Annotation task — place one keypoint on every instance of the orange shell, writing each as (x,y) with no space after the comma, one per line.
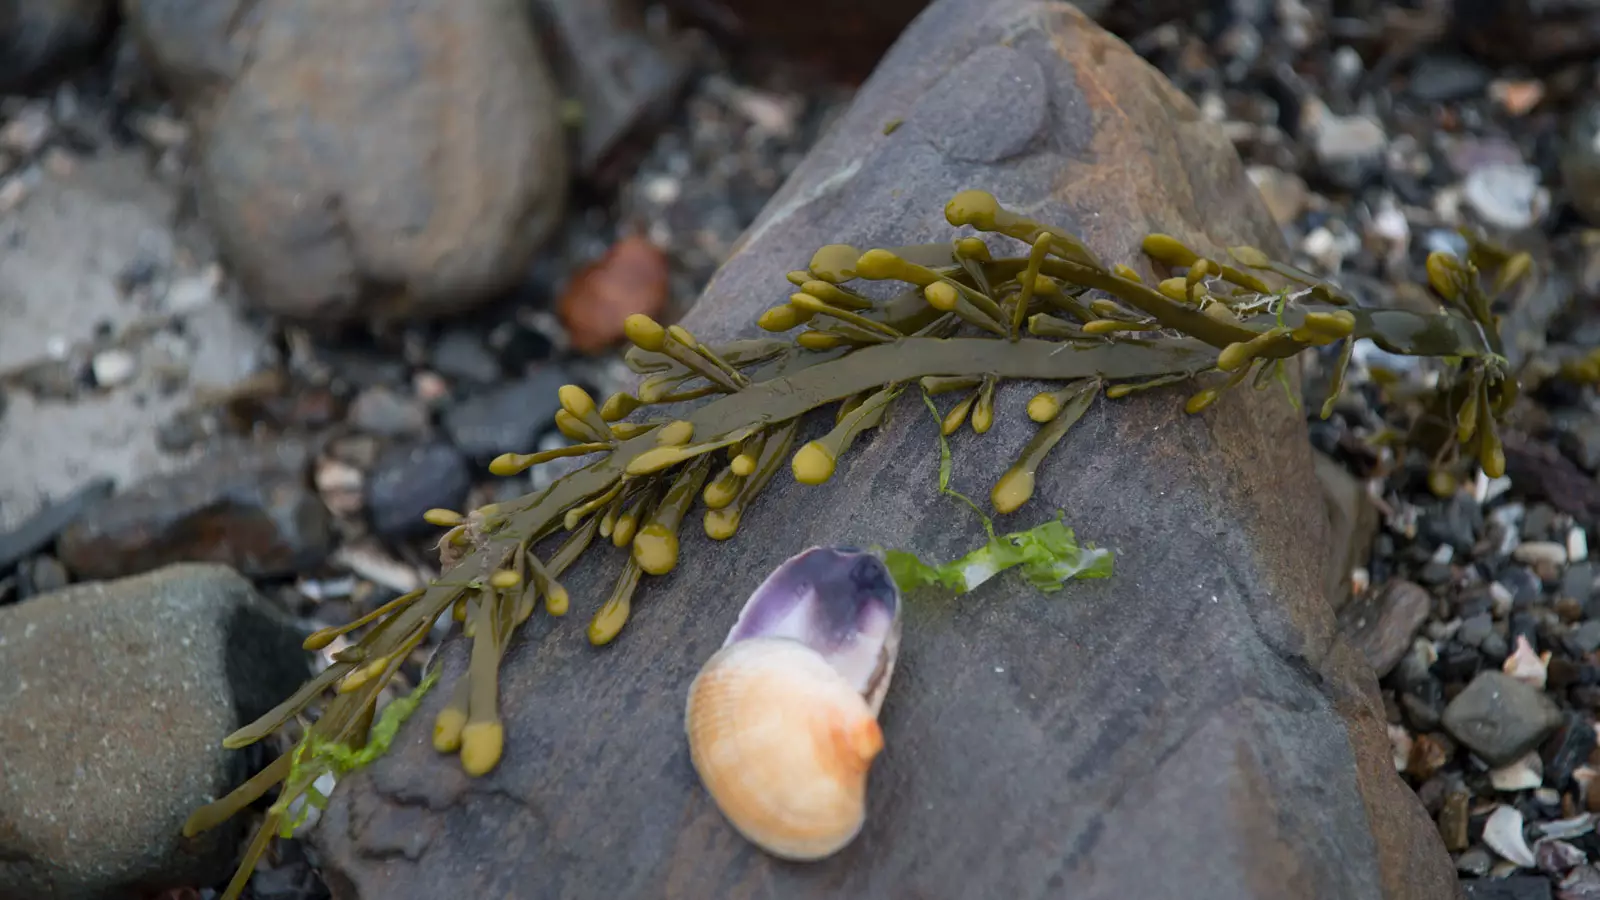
(783,744)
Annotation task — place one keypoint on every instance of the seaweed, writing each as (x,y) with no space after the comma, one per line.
(713,424)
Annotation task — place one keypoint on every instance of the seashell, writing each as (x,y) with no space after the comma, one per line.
(782,719)
(783,743)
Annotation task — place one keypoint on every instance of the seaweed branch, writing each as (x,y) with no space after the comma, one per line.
(711,425)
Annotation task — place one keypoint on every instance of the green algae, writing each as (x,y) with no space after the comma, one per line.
(965,321)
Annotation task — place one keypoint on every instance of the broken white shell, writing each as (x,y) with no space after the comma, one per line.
(782,720)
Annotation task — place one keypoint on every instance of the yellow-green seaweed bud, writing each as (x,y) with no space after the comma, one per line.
(444,518)
(819,340)
(1444,270)
(1168,249)
(447,728)
(976,208)
(675,434)
(1044,406)
(973,248)
(813,464)
(1200,401)
(504,579)
(682,336)
(576,401)
(655,548)
(1250,257)
(618,406)
(1122,270)
(941,295)
(645,333)
(1013,489)
(835,263)
(481,746)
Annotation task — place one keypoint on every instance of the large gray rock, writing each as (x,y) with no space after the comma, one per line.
(114,700)
(368,157)
(1194,726)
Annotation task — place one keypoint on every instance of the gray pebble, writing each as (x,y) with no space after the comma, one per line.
(462,355)
(1587,636)
(1474,629)
(508,418)
(1474,862)
(1500,718)
(410,479)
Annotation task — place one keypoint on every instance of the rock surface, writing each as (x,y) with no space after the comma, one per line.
(252,508)
(369,157)
(113,707)
(1193,726)
(37,36)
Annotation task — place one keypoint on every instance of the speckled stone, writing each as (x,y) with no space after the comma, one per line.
(114,702)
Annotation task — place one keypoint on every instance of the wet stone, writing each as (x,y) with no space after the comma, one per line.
(1458,523)
(40,575)
(408,480)
(1423,708)
(1566,749)
(1500,718)
(1494,648)
(1437,79)
(508,418)
(1586,638)
(1474,862)
(385,411)
(1453,817)
(462,355)
(1382,623)
(1524,585)
(1579,438)
(1474,629)
(1577,581)
(252,508)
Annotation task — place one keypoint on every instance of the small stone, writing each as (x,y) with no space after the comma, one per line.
(1525,774)
(1474,862)
(251,507)
(1382,623)
(27,131)
(508,418)
(1506,196)
(462,355)
(1567,749)
(381,410)
(1586,639)
(114,704)
(1453,820)
(1523,585)
(1500,718)
(1494,648)
(1442,79)
(410,479)
(1503,833)
(1350,148)
(113,368)
(41,529)
(1285,193)
(1474,629)
(1429,753)
(339,485)
(1535,553)
(630,278)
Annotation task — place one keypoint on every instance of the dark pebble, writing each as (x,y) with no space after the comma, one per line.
(384,411)
(1500,718)
(1436,573)
(1457,522)
(1453,820)
(1474,600)
(1382,623)
(462,355)
(1524,624)
(1494,648)
(408,480)
(1579,439)
(1474,862)
(1438,79)
(1524,585)
(1423,711)
(1586,638)
(1577,581)
(251,508)
(1458,663)
(1540,520)
(1586,696)
(508,418)
(1515,887)
(1474,629)
(1566,749)
(42,528)
(40,575)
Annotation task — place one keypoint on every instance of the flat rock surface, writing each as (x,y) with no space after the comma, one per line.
(1192,727)
(114,703)
(62,252)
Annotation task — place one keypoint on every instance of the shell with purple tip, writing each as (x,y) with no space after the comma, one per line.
(782,720)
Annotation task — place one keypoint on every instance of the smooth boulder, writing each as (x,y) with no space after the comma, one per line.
(367,157)
(1193,726)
